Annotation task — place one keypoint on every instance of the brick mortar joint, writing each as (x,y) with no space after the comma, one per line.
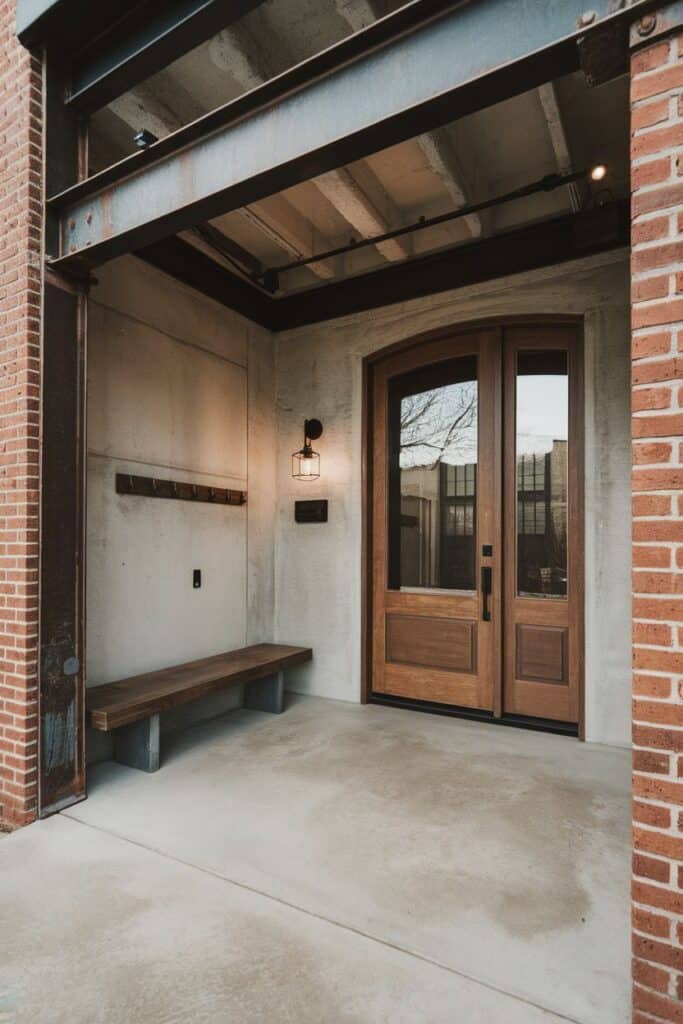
(20,184)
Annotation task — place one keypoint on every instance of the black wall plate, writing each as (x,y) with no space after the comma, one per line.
(310,511)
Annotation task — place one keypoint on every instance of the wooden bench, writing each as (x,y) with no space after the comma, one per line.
(131,707)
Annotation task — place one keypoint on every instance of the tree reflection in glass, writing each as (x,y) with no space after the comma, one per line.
(436,452)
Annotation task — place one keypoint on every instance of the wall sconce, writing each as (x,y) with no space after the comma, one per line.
(306,462)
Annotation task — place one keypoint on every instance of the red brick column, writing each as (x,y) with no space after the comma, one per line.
(657,352)
(20,291)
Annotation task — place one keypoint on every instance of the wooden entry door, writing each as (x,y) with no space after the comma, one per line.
(436,472)
(475,574)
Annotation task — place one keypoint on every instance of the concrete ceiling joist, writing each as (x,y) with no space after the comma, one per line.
(558,139)
(164,111)
(284,225)
(233,53)
(342,190)
(435,146)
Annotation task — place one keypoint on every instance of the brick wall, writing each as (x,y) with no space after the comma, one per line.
(20,245)
(657,351)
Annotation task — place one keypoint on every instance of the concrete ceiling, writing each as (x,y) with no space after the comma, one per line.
(562,126)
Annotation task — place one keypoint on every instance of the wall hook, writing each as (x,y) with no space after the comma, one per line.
(150,487)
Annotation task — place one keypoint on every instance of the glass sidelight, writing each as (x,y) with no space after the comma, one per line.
(542,440)
(432,470)
(543,537)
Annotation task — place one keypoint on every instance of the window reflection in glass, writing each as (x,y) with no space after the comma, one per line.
(433,477)
(541,448)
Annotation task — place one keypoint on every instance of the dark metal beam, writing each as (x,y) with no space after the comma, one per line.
(62,492)
(528,248)
(230,250)
(147,39)
(667,18)
(538,245)
(377,88)
(33,14)
(62,545)
(185,263)
(67,24)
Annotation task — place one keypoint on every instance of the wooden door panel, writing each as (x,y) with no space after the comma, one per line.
(541,653)
(434,643)
(429,642)
(540,700)
(457,689)
(459,606)
(449,644)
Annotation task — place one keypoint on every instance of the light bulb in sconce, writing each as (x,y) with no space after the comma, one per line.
(598,172)
(306,462)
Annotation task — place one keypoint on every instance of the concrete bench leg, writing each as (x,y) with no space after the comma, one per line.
(266,694)
(137,745)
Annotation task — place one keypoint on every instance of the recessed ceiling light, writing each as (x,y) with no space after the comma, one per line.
(598,172)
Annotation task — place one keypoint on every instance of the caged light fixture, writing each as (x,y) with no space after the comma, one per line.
(306,462)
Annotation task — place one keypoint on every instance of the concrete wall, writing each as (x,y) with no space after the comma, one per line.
(318,568)
(180,388)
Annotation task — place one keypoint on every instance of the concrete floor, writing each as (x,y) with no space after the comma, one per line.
(336,863)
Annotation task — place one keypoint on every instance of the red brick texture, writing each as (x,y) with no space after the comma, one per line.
(657,406)
(20,290)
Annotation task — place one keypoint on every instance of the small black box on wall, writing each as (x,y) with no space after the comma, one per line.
(310,511)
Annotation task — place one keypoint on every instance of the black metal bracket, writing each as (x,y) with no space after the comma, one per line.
(152,487)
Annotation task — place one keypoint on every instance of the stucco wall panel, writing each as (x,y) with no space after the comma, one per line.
(173,381)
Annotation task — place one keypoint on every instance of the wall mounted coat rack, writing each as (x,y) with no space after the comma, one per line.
(153,487)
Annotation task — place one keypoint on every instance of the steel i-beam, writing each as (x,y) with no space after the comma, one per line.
(328,111)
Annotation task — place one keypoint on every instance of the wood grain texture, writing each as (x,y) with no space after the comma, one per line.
(541,653)
(498,686)
(129,700)
(434,642)
(476,687)
(544,698)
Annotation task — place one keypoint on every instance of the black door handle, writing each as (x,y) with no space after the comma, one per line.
(486,582)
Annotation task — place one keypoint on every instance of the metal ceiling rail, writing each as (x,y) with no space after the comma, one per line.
(546,184)
(530,247)
(380,87)
(543,244)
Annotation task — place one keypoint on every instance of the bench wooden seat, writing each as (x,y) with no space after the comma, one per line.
(132,706)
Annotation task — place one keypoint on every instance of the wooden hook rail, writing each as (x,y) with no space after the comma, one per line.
(153,487)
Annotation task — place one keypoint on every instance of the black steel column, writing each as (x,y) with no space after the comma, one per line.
(62,500)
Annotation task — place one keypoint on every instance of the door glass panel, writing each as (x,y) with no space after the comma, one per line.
(542,433)
(433,477)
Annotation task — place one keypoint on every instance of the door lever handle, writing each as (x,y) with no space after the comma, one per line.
(486,583)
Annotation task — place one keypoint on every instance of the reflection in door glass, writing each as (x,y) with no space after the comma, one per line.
(542,439)
(433,477)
